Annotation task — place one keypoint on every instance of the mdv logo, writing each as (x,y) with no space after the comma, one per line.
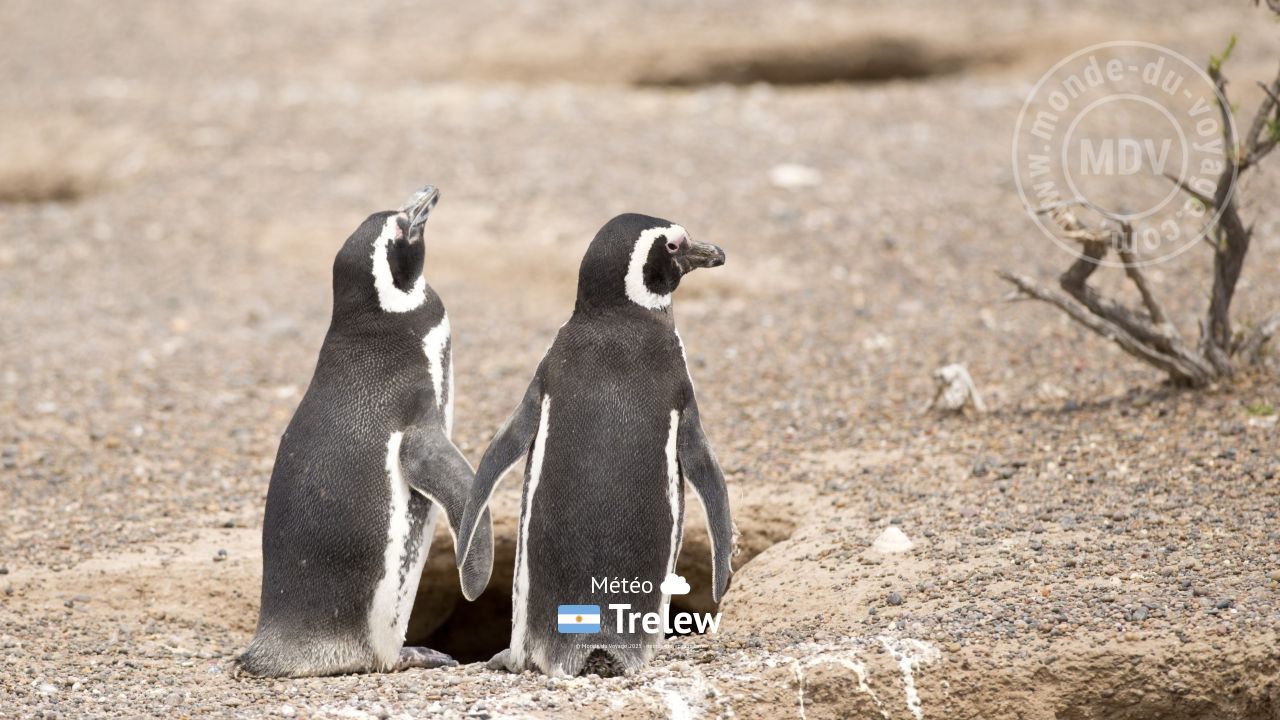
(1123,156)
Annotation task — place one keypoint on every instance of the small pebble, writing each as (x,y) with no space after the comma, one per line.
(895,598)
(222,555)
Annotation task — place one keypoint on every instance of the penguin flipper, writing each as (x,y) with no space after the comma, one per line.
(509,444)
(699,467)
(434,467)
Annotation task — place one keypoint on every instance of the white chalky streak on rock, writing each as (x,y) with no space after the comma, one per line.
(847,660)
(795,667)
(677,707)
(686,698)
(910,654)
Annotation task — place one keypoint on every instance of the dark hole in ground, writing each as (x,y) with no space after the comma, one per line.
(476,631)
(40,187)
(852,60)
(443,620)
(52,159)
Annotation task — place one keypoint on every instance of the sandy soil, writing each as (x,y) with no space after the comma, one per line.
(175,179)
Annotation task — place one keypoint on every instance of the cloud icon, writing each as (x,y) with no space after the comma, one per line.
(674,584)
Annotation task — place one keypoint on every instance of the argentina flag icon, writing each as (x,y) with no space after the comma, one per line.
(578,619)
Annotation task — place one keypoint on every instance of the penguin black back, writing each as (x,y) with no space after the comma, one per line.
(364,469)
(611,429)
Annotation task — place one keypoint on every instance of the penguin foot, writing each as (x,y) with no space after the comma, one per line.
(501,661)
(601,662)
(420,657)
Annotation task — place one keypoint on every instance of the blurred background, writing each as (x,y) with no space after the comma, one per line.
(176,177)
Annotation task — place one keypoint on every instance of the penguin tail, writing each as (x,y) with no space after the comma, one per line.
(601,662)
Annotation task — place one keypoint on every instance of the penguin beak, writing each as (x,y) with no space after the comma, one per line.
(418,207)
(701,255)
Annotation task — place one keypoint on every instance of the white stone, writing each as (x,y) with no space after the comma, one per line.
(793,177)
(891,541)
(954,390)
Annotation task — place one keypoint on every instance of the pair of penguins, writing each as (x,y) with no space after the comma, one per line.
(609,426)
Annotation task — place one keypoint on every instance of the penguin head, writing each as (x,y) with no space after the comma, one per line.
(380,265)
(640,259)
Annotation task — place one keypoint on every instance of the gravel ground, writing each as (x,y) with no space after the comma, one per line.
(1096,545)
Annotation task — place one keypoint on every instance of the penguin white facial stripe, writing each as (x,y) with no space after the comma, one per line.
(433,345)
(520,599)
(673,493)
(637,291)
(390,297)
(386,623)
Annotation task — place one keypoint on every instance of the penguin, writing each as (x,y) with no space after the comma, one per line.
(364,470)
(611,431)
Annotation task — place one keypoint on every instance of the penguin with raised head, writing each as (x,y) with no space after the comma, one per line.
(364,469)
(611,430)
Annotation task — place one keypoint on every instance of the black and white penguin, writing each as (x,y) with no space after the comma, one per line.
(611,430)
(364,469)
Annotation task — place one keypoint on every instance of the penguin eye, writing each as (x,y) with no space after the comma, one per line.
(672,246)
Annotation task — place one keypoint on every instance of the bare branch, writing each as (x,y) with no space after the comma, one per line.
(1154,310)
(1270,93)
(1208,201)
(1055,209)
(1232,236)
(1134,271)
(1251,347)
(1177,368)
(1265,119)
(1074,282)
(1224,107)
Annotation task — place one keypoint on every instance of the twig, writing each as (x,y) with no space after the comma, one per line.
(1177,368)
(1208,201)
(1257,146)
(1134,271)
(1054,208)
(1224,106)
(1271,94)
(1251,347)
(1075,283)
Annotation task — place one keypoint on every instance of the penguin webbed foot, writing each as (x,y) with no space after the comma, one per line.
(501,662)
(421,657)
